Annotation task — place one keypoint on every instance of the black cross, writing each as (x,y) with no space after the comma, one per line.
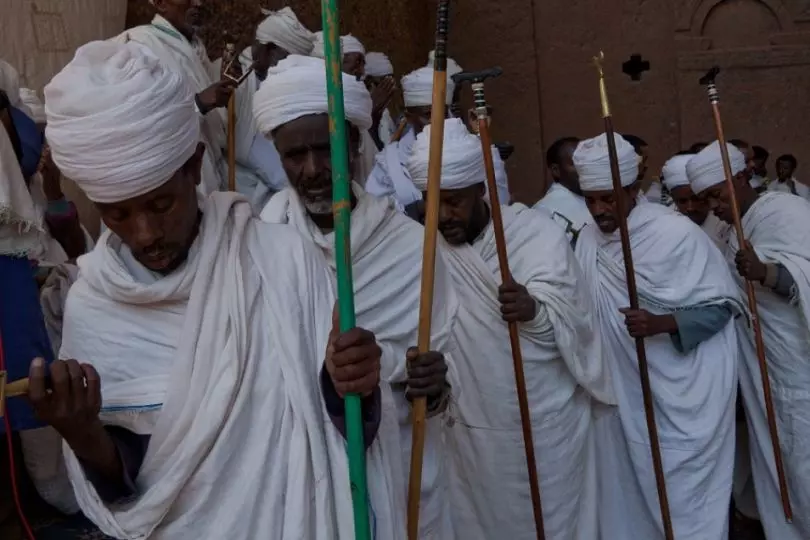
(635,67)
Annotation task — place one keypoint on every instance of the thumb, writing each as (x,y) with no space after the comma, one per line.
(336,318)
(624,310)
(748,246)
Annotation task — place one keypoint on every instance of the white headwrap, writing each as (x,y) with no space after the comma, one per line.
(31,100)
(10,82)
(462,162)
(348,44)
(417,88)
(706,168)
(501,179)
(452,67)
(674,171)
(120,123)
(296,87)
(593,165)
(378,65)
(285,30)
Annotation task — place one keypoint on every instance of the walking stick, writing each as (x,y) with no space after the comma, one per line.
(714,98)
(482,114)
(230,52)
(437,115)
(632,293)
(341,188)
(11,389)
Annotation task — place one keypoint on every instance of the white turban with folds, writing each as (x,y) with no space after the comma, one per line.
(462,162)
(706,168)
(417,88)
(285,30)
(120,123)
(378,65)
(593,164)
(674,171)
(452,66)
(296,87)
(348,44)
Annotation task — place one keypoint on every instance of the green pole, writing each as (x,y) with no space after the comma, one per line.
(341,188)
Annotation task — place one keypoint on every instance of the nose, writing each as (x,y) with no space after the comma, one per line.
(445,212)
(691,205)
(311,166)
(145,232)
(713,203)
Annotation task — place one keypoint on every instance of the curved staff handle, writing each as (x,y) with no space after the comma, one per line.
(708,81)
(632,293)
(437,115)
(506,276)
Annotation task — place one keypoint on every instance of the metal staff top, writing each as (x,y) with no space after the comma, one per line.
(597,60)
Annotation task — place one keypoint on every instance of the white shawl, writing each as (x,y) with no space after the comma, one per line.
(677,267)
(563,367)
(778,226)
(220,363)
(567,209)
(386,249)
(390,177)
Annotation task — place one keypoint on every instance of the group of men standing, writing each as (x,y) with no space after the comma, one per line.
(201,371)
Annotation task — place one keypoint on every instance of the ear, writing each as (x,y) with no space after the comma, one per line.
(195,163)
(555,170)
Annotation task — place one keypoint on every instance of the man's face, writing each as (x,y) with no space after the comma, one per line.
(604,208)
(307,159)
(760,168)
(265,56)
(785,170)
(642,166)
(719,197)
(690,205)
(750,164)
(456,210)
(354,64)
(160,226)
(565,173)
(185,15)
(419,117)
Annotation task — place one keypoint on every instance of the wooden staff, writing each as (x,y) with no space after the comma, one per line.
(230,53)
(10,390)
(437,116)
(632,293)
(400,130)
(482,115)
(708,81)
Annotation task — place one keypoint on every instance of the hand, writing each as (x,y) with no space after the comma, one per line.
(517,305)
(643,324)
(51,176)
(382,94)
(352,360)
(748,264)
(72,404)
(427,374)
(215,96)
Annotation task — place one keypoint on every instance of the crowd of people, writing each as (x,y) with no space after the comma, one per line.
(187,368)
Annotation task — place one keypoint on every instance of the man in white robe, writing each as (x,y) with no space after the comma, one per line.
(687,300)
(386,256)
(379,72)
(563,366)
(203,406)
(778,262)
(676,179)
(260,173)
(171,37)
(564,199)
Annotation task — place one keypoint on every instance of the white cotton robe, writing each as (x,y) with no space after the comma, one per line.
(191,58)
(778,227)
(677,267)
(386,249)
(567,209)
(564,375)
(219,362)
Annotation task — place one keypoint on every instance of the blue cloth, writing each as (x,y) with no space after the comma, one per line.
(23,334)
(698,325)
(32,141)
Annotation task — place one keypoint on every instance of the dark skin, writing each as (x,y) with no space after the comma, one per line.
(694,207)
(419,117)
(265,56)
(785,170)
(305,151)
(382,91)
(565,173)
(354,64)
(463,216)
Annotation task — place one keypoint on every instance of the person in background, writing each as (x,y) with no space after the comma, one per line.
(786,181)
(761,156)
(747,150)
(651,188)
(380,82)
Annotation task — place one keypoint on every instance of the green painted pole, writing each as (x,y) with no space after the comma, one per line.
(341,189)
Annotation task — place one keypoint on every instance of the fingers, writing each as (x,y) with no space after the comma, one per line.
(345,361)
(77,388)
(37,388)
(412,354)
(353,338)
(363,386)
(93,383)
(60,379)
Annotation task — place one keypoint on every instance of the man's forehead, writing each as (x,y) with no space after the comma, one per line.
(598,194)
(682,191)
(303,128)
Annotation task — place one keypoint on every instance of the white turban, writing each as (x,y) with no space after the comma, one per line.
(31,100)
(501,179)
(593,164)
(120,123)
(417,88)
(10,82)
(462,162)
(348,44)
(452,67)
(706,168)
(674,171)
(378,65)
(296,87)
(285,30)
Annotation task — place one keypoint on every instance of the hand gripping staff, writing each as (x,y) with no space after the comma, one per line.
(714,98)
(632,293)
(437,116)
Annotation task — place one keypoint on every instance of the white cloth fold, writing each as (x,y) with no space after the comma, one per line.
(138,129)
(31,100)
(378,65)
(593,164)
(674,171)
(296,87)
(348,45)
(283,28)
(417,88)
(232,340)
(567,209)
(706,168)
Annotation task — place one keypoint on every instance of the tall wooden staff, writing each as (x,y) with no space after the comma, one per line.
(632,293)
(228,59)
(482,115)
(708,81)
(437,116)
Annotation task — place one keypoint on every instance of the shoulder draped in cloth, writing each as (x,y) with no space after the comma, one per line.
(567,209)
